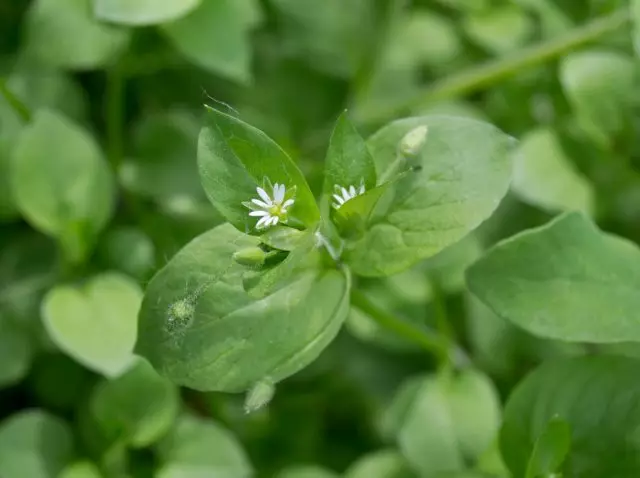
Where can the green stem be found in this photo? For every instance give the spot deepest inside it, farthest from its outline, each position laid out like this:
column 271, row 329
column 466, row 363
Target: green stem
column 479, row 77
column 431, row 342
column 440, row 309
column 21, row 109
column 114, row 114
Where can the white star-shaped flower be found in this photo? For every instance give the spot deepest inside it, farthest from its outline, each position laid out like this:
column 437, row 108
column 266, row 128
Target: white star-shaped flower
column 345, row 194
column 270, row 209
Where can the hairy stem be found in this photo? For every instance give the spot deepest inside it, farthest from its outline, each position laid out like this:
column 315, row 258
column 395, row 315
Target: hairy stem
column 436, row 344
column 21, row 109
column 479, row 77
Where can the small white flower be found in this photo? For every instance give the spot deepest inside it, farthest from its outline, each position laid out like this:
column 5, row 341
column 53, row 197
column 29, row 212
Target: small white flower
column 270, row 209
column 345, row 194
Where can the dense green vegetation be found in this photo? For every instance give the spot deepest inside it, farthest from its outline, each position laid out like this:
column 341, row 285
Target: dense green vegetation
column 319, row 239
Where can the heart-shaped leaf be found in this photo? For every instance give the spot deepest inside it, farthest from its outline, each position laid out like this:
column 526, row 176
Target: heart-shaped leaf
column 199, row 327
column 96, row 323
column 565, row 280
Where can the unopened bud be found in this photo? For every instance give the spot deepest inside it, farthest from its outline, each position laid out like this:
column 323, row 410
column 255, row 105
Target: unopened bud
column 251, row 256
column 413, row 141
column 259, row 395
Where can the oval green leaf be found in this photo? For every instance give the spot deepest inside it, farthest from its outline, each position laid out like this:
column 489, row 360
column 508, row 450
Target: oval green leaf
column 199, row 327
column 138, row 407
column 235, row 158
column 544, row 176
column 34, row 443
column 380, row 464
column 61, row 182
column 198, row 447
column 53, row 28
column 95, row 324
column 565, row 280
column 463, row 172
column 216, row 36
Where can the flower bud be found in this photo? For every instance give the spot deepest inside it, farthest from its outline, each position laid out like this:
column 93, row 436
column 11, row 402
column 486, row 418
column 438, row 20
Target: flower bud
column 251, row 256
column 413, row 141
column 259, row 395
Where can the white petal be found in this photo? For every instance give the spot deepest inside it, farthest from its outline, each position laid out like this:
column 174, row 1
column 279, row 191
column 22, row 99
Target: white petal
column 361, row 189
column 352, row 191
column 259, row 213
column 260, row 203
column 345, row 194
column 287, row 203
column 339, row 199
column 263, row 221
column 274, row 220
column 278, row 192
column 263, row 194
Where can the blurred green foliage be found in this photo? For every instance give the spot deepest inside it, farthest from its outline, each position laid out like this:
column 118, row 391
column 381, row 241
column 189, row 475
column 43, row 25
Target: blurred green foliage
column 101, row 103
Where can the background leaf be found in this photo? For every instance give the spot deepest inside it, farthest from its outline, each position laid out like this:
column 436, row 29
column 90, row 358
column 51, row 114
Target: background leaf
column 96, row 323
column 142, row 12
column 54, row 28
column 34, row 443
column 138, row 407
column 61, row 182
column 197, row 447
column 541, row 281
column 544, row 176
column 596, row 396
column 215, row 36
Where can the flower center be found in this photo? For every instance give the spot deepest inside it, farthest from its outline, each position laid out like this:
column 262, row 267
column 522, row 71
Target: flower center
column 276, row 209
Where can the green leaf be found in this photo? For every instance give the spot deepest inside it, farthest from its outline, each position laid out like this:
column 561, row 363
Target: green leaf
column 34, row 443
column 306, row 471
column 565, row 280
column 500, row 30
column 199, row 327
column 461, row 174
column 597, row 397
column 544, row 176
column 601, row 86
column 129, row 250
column 199, row 447
column 348, row 161
column 81, row 469
column 164, row 168
column 142, row 12
column 53, row 30
column 234, row 158
column 215, row 36
column 386, row 463
column 61, row 182
column 447, row 268
column 550, row 450
column 331, row 36
column 442, row 421
column 138, row 407
column 96, row 323
column 16, row 351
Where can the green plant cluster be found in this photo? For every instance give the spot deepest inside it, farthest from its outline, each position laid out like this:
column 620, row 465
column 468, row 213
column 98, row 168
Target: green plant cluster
column 399, row 240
